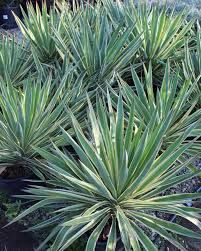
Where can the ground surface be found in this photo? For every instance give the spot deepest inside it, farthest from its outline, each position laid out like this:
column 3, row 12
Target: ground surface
column 13, row 239
column 15, row 32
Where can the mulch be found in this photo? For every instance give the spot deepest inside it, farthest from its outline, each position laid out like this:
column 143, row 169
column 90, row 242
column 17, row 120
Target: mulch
column 13, row 239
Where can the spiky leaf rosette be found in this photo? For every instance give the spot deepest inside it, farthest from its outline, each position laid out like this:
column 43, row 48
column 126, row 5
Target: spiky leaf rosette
column 117, row 179
column 95, row 47
column 31, row 117
column 37, row 27
column 170, row 97
column 15, row 60
column 163, row 31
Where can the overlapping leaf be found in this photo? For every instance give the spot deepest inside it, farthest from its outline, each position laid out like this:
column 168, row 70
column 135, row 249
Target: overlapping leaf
column 160, row 101
column 37, row 28
column 16, row 63
column 95, row 46
column 163, row 31
column 192, row 66
column 117, row 180
column 32, row 117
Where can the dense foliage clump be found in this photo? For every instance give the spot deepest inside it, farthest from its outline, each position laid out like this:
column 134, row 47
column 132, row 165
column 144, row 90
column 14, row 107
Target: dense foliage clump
column 103, row 102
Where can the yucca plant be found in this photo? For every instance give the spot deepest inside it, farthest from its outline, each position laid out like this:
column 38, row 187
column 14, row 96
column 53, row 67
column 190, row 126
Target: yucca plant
column 95, row 47
column 15, row 60
column 117, row 181
column 192, row 65
column 163, row 31
column 170, row 97
column 32, row 117
column 28, row 117
column 37, row 27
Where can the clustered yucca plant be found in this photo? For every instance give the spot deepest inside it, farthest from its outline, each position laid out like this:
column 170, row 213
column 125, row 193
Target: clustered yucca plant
column 108, row 112
column 118, row 179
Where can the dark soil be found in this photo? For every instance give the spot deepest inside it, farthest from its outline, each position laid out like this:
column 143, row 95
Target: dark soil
column 13, row 180
column 14, row 172
column 13, row 239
